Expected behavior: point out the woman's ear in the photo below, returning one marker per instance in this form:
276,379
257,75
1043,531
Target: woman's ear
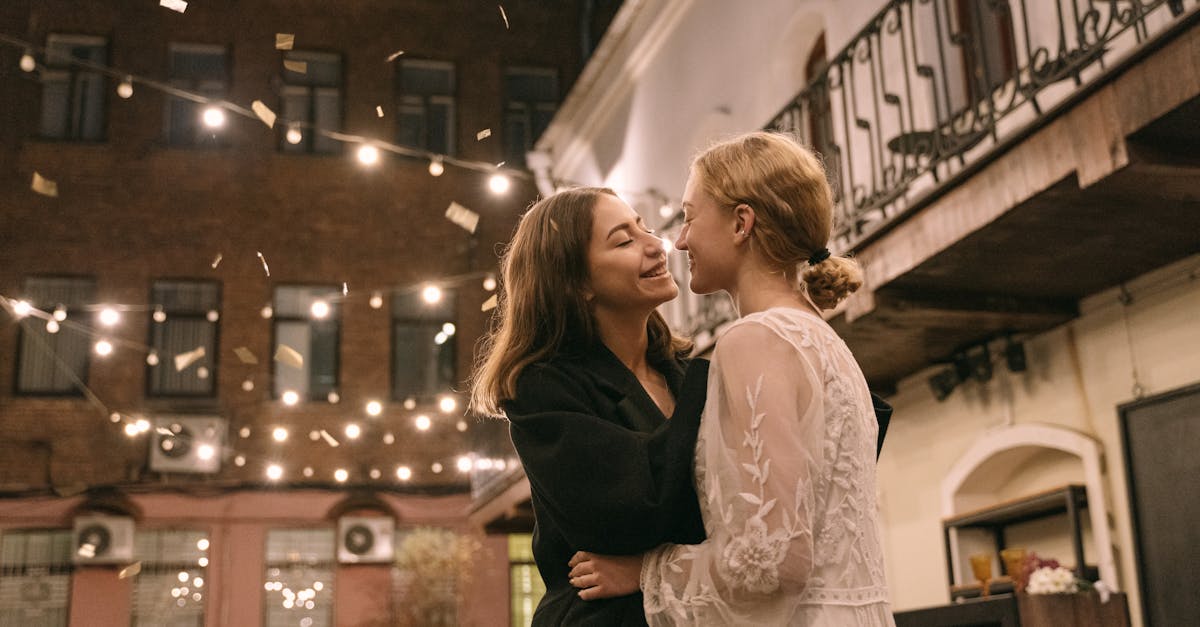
743,217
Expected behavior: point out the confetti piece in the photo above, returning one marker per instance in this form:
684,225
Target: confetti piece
130,570
328,438
264,113
489,304
244,355
284,41
174,5
299,67
44,186
503,15
379,110
289,356
462,216
345,288
163,431
183,360
484,134
501,164
392,56
264,261
216,262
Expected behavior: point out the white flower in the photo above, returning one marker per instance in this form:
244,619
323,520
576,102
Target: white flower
1051,581
751,560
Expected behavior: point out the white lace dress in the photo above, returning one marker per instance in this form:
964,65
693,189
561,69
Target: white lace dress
785,472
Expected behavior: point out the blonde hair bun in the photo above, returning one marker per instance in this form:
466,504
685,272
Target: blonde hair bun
832,280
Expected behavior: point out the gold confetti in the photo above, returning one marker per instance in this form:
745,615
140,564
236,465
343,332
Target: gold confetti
503,15
174,5
501,164
462,216
44,186
216,262
379,110
245,355
264,261
489,304
130,570
264,113
289,356
284,41
484,134
328,438
299,67
183,360
345,288
392,56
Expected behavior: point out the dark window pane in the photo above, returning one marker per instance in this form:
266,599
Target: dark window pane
73,97
49,362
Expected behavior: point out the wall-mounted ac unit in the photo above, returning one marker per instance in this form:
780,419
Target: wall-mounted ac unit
188,444
103,540
366,540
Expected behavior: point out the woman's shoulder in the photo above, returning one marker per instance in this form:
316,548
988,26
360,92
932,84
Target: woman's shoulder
779,331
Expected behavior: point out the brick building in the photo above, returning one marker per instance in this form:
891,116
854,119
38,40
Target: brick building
163,207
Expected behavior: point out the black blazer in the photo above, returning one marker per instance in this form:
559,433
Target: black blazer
608,472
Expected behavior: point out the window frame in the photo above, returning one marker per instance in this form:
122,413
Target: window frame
276,319
211,88
66,568
424,101
330,563
74,392
393,320
529,107
308,140
72,73
164,360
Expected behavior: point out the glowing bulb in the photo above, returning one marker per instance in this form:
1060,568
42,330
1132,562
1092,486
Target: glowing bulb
60,313
440,338
464,464
665,210
202,372
294,136
159,315
201,544
498,183
115,417
436,167
489,283
203,562
104,348
318,586
274,472
240,461
51,326
183,577
340,475
404,473
214,117
333,397
320,309
374,408
131,429
353,431
431,294
206,452
449,329
280,434
307,472
423,422
125,89
290,397
410,403
22,308
244,432
248,385
376,300
267,312
143,425
375,473
447,404
109,317
213,315
27,63
368,155
152,358
314,435
461,425
436,467
389,438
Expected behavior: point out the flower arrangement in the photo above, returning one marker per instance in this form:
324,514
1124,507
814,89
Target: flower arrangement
1047,576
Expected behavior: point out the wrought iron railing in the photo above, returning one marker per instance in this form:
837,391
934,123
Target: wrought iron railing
927,86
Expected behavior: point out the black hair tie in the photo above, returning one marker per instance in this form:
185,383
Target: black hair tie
818,257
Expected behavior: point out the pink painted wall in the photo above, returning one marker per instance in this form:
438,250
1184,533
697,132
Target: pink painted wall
237,524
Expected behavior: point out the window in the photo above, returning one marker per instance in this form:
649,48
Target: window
532,97
73,97
315,337
313,96
426,105
424,338
989,58
299,577
525,581
170,590
35,578
190,311
201,69
49,363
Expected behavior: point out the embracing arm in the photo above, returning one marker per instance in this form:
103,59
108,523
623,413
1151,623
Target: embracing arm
605,487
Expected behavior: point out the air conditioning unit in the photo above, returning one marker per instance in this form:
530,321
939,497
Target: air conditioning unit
103,540
366,540
187,444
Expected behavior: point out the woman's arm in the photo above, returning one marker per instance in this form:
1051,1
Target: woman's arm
605,487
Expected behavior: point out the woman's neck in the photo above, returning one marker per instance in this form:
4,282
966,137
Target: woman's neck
625,335
757,289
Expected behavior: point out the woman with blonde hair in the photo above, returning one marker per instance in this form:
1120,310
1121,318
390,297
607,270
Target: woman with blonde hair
588,373
785,462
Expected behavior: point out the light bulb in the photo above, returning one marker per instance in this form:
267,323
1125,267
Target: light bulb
115,417
423,422
51,326
239,461
294,136
333,397
202,372
28,64
489,283
280,434
376,300
389,438
449,328
375,473
320,309
152,359
374,408
464,464
353,431
160,315
214,117
436,167
341,475
274,472
290,397
104,348
440,338
248,385
202,544
447,404
410,403
461,425
206,452
244,432
267,312
665,210
109,317
21,308
404,473
131,429
498,183
368,155
213,315
143,425
125,89
60,313
436,467
431,294
307,472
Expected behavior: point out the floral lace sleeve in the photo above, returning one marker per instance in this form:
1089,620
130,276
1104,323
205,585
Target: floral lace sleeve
759,463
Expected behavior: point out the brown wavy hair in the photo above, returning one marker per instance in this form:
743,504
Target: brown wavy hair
541,310
786,186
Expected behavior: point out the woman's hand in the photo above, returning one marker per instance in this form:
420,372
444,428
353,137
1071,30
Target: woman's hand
605,576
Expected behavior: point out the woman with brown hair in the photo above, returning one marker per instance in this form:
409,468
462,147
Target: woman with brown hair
588,373
785,463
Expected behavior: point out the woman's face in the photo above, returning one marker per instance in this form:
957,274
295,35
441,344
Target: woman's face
627,263
708,236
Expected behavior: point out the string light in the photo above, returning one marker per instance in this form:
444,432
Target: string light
203,562
239,461
109,317
206,452
28,64
307,472
432,294
447,404
294,136
436,467
353,431
104,348
461,425
114,417
201,372
280,434
376,300
248,385
60,313
159,315
125,89
404,473
440,338
464,464
449,328
489,283
244,432
21,308
436,167
131,429
202,544
333,397
290,398
320,309
274,472
51,326
410,403
267,312
368,154
314,435
214,117
423,422
498,183
375,473
389,438
340,475
152,358
213,315
374,408
142,425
